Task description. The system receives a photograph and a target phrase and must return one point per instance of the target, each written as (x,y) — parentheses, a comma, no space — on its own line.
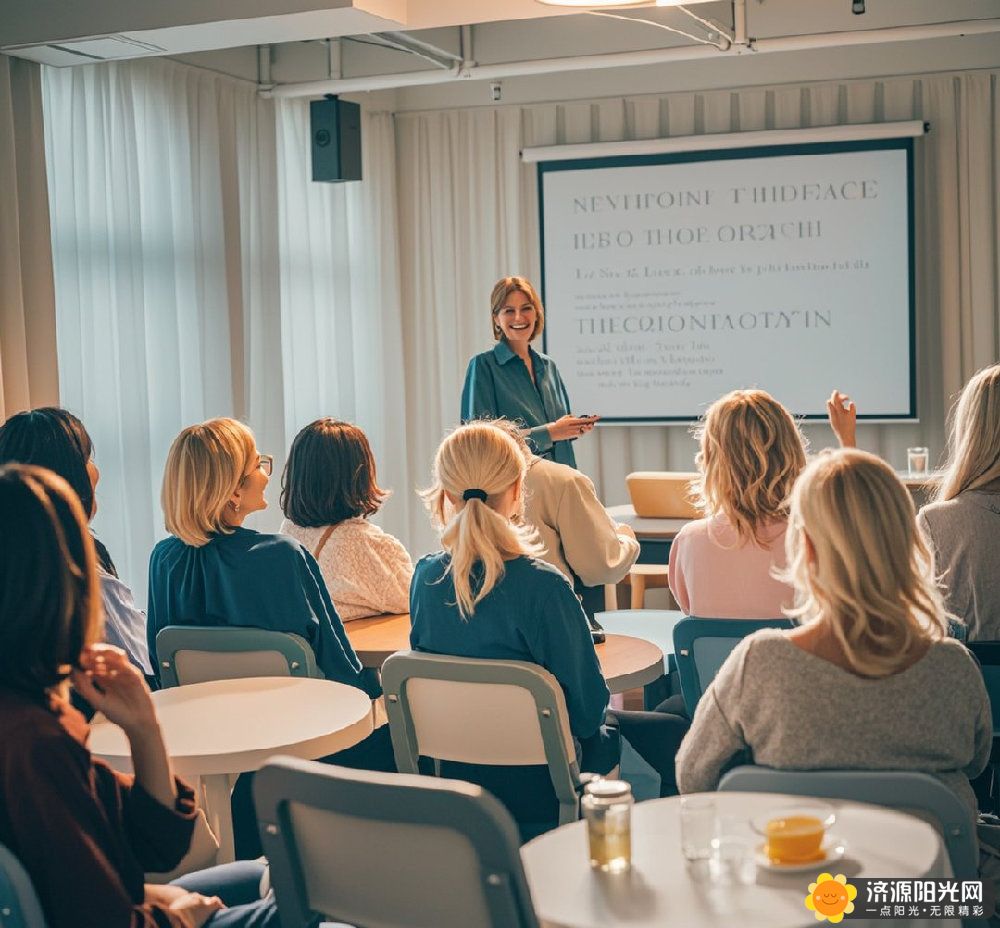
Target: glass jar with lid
(607,809)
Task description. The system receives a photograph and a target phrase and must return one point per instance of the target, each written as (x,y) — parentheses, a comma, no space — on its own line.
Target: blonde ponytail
(478,536)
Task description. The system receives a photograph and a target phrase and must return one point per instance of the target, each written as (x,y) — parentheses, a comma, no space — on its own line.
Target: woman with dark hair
(54,438)
(328,492)
(86,834)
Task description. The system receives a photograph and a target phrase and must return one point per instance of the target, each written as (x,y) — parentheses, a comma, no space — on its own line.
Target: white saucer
(833,849)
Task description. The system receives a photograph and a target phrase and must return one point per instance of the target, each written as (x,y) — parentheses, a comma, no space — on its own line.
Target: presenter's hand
(843,418)
(568,427)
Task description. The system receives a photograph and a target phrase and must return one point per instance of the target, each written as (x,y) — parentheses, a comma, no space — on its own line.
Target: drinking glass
(697,826)
(918,461)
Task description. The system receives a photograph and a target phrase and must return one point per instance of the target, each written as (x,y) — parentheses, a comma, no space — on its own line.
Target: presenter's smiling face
(517,317)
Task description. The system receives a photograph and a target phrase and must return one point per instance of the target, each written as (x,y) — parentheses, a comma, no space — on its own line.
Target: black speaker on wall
(336,140)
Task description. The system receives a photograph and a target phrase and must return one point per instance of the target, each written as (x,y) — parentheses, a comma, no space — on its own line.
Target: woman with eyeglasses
(513,381)
(213,571)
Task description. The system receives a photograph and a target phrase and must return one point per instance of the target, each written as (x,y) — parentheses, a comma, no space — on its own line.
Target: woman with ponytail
(488,595)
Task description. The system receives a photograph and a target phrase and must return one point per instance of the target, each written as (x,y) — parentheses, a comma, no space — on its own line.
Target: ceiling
(512,31)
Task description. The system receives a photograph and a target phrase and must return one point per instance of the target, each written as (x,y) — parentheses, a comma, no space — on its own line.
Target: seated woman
(56,439)
(84,833)
(872,645)
(488,595)
(963,523)
(721,566)
(213,571)
(328,492)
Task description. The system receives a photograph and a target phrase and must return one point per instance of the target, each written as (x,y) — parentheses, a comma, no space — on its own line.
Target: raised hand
(843,418)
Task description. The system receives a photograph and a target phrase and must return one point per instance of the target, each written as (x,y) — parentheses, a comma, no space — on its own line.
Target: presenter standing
(513,381)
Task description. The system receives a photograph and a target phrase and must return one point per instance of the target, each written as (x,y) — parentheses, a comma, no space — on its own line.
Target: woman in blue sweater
(487,595)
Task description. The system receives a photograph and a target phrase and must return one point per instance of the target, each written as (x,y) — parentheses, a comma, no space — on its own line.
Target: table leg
(638,582)
(218,789)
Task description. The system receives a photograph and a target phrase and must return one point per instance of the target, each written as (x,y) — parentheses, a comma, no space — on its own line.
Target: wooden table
(222,728)
(663,891)
(659,529)
(627,663)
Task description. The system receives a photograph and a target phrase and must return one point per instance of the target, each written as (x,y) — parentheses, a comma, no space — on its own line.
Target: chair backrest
(701,647)
(481,712)
(988,655)
(19,906)
(195,654)
(906,790)
(388,850)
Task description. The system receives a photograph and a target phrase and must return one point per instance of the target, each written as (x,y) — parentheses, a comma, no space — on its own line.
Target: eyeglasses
(265,462)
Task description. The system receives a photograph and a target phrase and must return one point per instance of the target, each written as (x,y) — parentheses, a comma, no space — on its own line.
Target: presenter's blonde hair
(858,562)
(974,436)
(502,289)
(478,456)
(751,453)
(205,465)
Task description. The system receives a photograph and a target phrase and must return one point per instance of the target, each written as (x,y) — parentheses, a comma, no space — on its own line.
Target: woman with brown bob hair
(751,453)
(328,492)
(513,381)
(86,834)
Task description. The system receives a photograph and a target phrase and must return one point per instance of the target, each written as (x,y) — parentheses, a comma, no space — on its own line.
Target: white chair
(19,906)
(388,850)
(195,654)
(486,712)
(907,790)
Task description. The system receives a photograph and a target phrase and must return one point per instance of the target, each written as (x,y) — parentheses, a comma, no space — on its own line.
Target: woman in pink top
(721,565)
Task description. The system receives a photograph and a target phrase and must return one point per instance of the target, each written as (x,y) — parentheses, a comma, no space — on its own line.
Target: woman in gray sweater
(963,523)
(859,683)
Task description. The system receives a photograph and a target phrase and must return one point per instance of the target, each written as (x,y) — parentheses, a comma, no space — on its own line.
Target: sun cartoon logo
(831,897)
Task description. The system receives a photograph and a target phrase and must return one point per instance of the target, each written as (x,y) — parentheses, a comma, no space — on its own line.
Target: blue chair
(195,653)
(701,647)
(19,906)
(370,848)
(906,790)
(987,653)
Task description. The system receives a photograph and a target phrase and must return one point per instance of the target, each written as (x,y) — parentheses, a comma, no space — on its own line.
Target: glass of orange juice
(794,833)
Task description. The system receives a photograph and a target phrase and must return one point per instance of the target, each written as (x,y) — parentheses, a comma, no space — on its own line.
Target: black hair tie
(474,494)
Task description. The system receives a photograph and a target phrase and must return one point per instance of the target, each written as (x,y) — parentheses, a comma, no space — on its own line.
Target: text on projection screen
(668,285)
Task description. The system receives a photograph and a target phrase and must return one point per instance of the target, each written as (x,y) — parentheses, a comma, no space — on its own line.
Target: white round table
(222,728)
(663,891)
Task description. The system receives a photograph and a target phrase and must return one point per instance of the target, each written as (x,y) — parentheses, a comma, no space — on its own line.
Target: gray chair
(19,906)
(486,712)
(370,849)
(907,790)
(194,654)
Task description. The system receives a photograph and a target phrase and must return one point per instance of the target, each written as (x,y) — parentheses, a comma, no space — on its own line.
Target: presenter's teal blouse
(497,384)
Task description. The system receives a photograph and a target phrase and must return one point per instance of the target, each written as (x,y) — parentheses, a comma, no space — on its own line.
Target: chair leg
(610,597)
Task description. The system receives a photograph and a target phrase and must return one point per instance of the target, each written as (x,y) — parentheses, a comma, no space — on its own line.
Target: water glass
(732,861)
(918,462)
(697,826)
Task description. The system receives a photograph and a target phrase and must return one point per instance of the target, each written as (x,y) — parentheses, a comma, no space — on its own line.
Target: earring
(236,506)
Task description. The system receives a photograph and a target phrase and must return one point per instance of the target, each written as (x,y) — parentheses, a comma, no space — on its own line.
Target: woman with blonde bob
(213,571)
(488,595)
(871,645)
(963,523)
(751,453)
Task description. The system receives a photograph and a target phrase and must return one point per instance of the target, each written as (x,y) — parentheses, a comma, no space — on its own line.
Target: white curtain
(163,210)
(341,332)
(468,214)
(28,374)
